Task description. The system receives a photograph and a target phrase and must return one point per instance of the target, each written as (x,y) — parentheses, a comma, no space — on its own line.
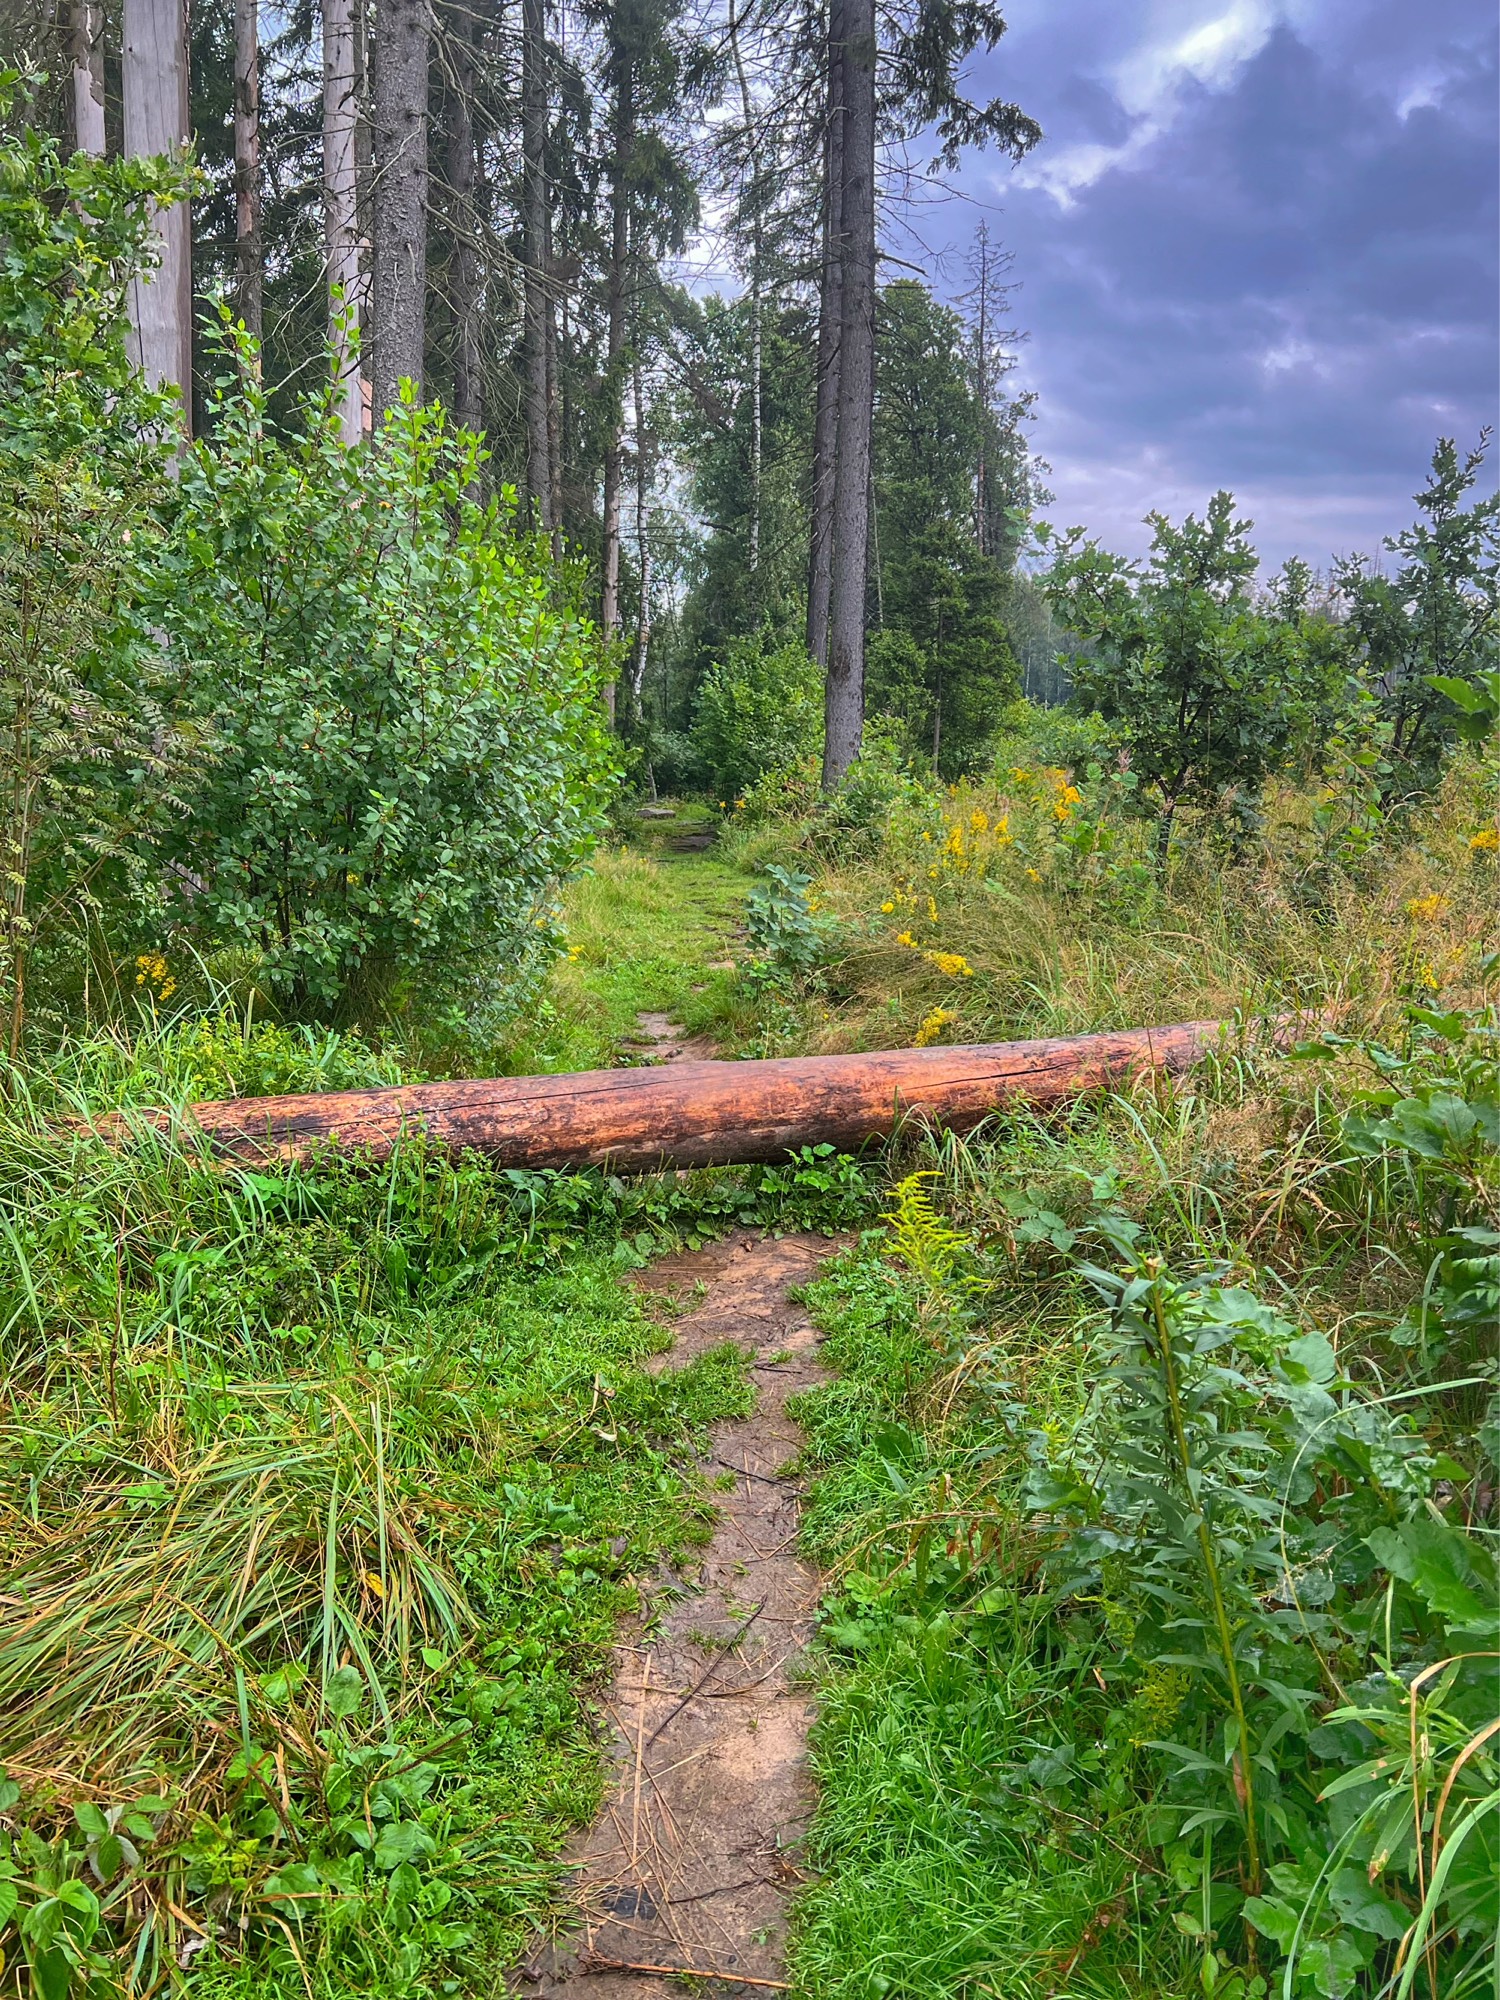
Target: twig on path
(707,1673)
(640,1758)
(596,1964)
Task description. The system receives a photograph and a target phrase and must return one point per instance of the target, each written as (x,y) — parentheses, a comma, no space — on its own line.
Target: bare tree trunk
(88,76)
(830,327)
(340,208)
(643,472)
(534,277)
(844,698)
(399,329)
(463,279)
(155,80)
(982,394)
(618,300)
(249,251)
(554,387)
(757,350)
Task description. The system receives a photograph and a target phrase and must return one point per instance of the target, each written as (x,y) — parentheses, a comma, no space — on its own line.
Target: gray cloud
(1267,259)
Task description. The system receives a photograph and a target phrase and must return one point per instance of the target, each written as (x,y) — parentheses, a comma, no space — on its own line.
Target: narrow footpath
(689,1867)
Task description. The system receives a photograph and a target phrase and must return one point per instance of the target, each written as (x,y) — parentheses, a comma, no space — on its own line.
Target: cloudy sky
(1257,248)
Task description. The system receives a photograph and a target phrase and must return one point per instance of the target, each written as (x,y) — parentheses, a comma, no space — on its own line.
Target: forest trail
(690,1865)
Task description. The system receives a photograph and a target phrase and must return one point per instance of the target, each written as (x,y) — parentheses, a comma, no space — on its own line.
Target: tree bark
(399,329)
(830,327)
(463,278)
(643,475)
(689,1114)
(757,340)
(618,295)
(844,700)
(155,84)
(249,251)
(340,210)
(534,278)
(88,77)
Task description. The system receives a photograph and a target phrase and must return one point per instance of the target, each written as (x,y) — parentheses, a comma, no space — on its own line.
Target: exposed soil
(689,1867)
(663,1040)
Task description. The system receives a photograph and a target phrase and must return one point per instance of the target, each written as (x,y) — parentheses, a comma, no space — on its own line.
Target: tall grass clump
(1161,1491)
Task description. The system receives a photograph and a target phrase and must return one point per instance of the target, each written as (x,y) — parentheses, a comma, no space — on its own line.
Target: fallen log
(690,1114)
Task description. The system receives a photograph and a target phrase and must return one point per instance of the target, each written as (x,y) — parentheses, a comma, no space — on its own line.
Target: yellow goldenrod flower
(979,821)
(932,1026)
(906,938)
(886,909)
(1486,841)
(952,964)
(1426,908)
(1033,875)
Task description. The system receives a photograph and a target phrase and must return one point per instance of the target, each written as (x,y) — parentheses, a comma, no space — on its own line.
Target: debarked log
(691,1114)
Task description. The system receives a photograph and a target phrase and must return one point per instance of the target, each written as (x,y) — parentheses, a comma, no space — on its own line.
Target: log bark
(689,1114)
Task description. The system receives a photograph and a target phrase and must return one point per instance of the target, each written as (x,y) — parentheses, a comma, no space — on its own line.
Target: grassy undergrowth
(323,1494)
(1159,1489)
(650,930)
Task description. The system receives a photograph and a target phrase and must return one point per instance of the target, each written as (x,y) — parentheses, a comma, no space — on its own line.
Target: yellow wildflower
(1427,976)
(979,821)
(933,873)
(1486,841)
(1426,908)
(906,938)
(952,964)
(932,1026)
(932,915)
(151,971)
(1033,875)
(886,909)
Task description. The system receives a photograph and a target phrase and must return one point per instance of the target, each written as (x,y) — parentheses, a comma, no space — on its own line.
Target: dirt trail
(691,1862)
(663,1039)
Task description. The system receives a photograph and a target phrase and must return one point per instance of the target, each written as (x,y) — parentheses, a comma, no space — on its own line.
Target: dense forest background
(502,199)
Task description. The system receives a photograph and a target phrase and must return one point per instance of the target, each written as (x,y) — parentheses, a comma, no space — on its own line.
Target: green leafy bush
(410,754)
(1209,689)
(759,710)
(88,742)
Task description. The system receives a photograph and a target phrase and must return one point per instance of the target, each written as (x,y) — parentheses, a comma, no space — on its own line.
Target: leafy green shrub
(787,934)
(1208,688)
(759,710)
(410,754)
(88,746)
(1064,739)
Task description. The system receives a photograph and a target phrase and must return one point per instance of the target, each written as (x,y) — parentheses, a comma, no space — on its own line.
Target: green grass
(644,927)
(324,1496)
(945,1864)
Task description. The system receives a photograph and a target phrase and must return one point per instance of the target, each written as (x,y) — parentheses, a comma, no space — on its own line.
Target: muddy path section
(689,1868)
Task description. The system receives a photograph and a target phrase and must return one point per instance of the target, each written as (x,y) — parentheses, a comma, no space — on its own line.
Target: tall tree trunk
(844,698)
(830,328)
(249,251)
(155,81)
(340,208)
(534,277)
(463,278)
(554,386)
(618,301)
(982,394)
(88,76)
(757,343)
(398,333)
(643,473)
